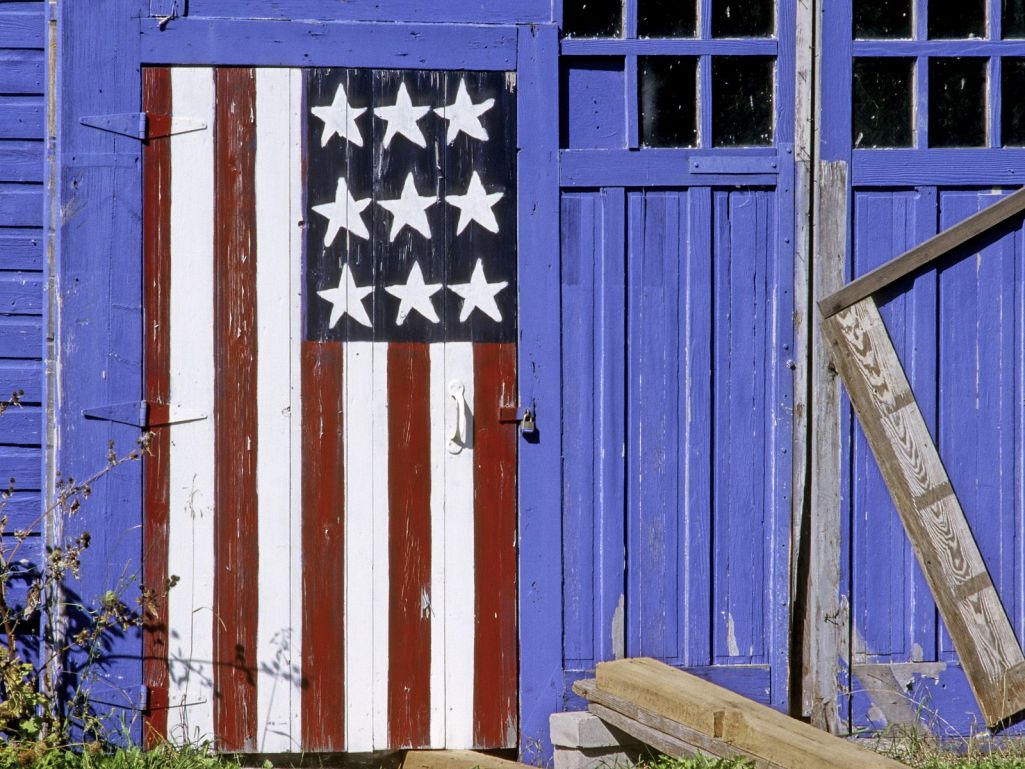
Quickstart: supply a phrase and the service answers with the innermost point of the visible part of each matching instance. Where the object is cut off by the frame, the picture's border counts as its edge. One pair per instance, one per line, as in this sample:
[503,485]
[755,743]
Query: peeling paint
[731,637]
[618,631]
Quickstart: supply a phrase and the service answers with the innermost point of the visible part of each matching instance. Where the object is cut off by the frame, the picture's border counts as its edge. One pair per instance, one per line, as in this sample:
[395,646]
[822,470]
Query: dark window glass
[957,18]
[882,19]
[592,18]
[667,92]
[742,100]
[1012,112]
[742,18]
[957,102]
[882,102]
[1013,22]
[666,18]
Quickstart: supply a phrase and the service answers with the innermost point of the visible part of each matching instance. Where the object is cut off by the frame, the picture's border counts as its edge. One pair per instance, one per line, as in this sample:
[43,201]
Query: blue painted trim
[959,167]
[97,274]
[418,11]
[665,168]
[732,164]
[130,124]
[341,44]
[540,462]
[835,76]
[683,46]
[938,47]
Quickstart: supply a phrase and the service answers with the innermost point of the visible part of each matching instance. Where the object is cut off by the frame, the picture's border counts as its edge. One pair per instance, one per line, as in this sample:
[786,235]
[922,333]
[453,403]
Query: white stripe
[297,207]
[452,566]
[191,492]
[365,412]
[273,402]
[459,566]
[439,464]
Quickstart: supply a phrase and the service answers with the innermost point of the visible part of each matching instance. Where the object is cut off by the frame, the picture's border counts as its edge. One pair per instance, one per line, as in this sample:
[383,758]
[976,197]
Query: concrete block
[582,730]
[597,758]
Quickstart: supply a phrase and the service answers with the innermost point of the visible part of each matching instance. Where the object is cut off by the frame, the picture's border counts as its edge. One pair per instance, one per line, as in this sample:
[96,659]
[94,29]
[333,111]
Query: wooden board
[670,737]
[456,759]
[723,715]
[921,255]
[932,515]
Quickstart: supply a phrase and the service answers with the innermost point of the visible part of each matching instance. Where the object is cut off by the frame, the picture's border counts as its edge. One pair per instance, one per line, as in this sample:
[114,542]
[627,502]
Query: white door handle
[458,440]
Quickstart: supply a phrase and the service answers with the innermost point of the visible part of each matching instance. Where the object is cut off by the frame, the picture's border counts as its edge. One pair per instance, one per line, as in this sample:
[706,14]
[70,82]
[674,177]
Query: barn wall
[22,78]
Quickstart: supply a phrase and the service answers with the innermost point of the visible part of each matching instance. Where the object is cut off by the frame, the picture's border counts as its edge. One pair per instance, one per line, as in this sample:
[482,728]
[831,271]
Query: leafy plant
[40,705]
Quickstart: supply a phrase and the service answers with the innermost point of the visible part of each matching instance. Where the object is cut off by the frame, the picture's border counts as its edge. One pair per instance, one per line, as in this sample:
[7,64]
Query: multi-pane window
[669,73]
[938,73]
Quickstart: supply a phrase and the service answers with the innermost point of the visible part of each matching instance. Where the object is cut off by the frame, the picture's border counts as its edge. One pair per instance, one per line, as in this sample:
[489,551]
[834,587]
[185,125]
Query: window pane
[592,18]
[1012,110]
[957,18]
[667,92]
[882,102]
[742,18]
[742,100]
[882,19]
[957,102]
[1013,23]
[666,18]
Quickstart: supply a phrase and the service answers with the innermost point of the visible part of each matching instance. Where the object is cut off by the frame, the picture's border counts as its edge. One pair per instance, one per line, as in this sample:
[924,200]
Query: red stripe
[323,476]
[495,670]
[409,506]
[156,224]
[235,520]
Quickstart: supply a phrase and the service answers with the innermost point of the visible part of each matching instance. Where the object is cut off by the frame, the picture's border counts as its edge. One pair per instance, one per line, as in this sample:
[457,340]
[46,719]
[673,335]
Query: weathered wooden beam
[932,515]
[921,255]
[727,717]
[456,759]
[669,737]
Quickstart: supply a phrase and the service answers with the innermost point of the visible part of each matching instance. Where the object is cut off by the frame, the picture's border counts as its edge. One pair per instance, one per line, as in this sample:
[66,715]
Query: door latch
[525,419]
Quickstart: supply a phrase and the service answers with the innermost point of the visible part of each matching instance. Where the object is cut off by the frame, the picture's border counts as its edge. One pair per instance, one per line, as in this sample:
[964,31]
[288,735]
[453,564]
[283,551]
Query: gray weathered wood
[670,737]
[921,255]
[928,507]
[824,643]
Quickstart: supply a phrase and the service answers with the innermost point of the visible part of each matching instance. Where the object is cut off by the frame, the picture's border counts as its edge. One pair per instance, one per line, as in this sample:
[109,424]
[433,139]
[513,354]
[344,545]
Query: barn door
[921,110]
[677,222]
[331,322]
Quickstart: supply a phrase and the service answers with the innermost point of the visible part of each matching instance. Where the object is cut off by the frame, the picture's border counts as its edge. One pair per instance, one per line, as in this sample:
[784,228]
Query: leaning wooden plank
[657,731]
[921,255]
[742,723]
[456,759]
[931,513]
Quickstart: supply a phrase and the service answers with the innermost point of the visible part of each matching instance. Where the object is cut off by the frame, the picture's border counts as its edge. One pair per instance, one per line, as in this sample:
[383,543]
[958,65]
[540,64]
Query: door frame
[95,261]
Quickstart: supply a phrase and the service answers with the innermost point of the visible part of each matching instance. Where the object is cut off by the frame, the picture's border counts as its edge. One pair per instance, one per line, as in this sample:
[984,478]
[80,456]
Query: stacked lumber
[682,715]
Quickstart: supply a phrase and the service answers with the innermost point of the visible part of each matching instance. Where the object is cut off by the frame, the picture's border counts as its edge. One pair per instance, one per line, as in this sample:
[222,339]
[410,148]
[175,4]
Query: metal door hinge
[143,414]
[143,125]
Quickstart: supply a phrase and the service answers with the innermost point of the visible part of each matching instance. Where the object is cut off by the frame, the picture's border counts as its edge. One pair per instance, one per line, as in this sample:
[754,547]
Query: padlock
[527,424]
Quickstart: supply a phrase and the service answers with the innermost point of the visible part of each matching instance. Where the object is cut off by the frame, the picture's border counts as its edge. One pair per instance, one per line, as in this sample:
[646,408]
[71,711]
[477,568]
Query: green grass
[41,756]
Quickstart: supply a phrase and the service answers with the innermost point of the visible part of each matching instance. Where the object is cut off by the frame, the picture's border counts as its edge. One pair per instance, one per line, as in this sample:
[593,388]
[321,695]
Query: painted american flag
[331,323]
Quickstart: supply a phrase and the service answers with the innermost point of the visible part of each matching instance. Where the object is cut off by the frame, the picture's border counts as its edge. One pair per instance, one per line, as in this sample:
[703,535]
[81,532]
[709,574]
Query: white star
[344,212]
[415,295]
[478,294]
[463,115]
[476,205]
[402,117]
[409,208]
[347,299]
[340,118]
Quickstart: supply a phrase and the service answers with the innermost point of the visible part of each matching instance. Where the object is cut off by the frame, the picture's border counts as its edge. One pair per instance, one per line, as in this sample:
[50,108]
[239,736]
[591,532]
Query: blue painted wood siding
[960,332]
[21,251]
[676,432]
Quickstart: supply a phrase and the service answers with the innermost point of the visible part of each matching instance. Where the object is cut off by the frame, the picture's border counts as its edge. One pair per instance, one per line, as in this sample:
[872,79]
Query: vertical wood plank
[235,382]
[929,509]
[824,643]
[156,366]
[323,538]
